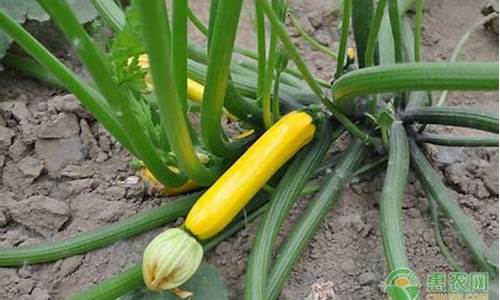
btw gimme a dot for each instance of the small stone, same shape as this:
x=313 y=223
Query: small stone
x=115 y=192
x=77 y=172
x=59 y=153
x=25 y=286
x=315 y=19
x=367 y=278
x=413 y=213
x=69 y=103
x=114 y=210
x=357 y=224
x=3 y=218
x=17 y=150
x=446 y=156
x=41 y=214
x=39 y=294
x=80 y=185
x=30 y=167
x=134 y=187
x=480 y=190
x=88 y=139
x=25 y=271
x=69 y=265
x=65 y=125
x=306 y=24
x=2 y=161
x=490 y=175
x=101 y=157
x=20 y=112
x=322 y=38
x=6 y=135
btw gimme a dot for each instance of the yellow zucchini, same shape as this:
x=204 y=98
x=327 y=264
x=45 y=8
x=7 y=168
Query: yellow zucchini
x=234 y=189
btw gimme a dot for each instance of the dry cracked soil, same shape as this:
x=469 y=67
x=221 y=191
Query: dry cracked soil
x=62 y=174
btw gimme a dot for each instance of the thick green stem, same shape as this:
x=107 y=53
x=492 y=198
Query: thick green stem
x=390 y=202
x=113 y=16
x=396 y=30
x=261 y=50
x=458 y=141
x=54 y=250
x=344 y=36
x=218 y=73
x=453 y=116
x=413 y=77
x=283 y=198
x=362 y=15
x=312 y=218
x=371 y=44
x=433 y=185
x=419 y=12
x=157 y=37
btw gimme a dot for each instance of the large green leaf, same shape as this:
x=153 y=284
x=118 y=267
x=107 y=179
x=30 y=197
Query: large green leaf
x=23 y=10
x=206 y=284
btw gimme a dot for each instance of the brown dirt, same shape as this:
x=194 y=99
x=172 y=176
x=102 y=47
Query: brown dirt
x=62 y=174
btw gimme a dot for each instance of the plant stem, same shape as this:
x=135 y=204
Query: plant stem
x=371 y=44
x=458 y=141
x=113 y=16
x=54 y=250
x=157 y=37
x=282 y=200
x=432 y=184
x=419 y=12
x=390 y=203
x=261 y=50
x=268 y=80
x=312 y=218
x=309 y=39
x=344 y=35
x=197 y=22
x=413 y=77
x=396 y=30
x=453 y=116
x=362 y=15
x=218 y=73
x=452 y=261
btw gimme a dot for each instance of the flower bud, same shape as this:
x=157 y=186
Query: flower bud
x=170 y=259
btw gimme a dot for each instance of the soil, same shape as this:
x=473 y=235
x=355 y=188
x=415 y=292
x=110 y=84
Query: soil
x=62 y=174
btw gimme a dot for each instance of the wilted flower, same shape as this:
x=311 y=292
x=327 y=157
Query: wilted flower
x=170 y=259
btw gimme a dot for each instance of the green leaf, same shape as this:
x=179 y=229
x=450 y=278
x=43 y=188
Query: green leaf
x=23 y=10
x=206 y=284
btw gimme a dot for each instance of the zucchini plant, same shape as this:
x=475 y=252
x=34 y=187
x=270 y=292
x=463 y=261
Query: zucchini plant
x=151 y=79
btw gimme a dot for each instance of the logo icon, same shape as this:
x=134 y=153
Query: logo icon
x=402 y=284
